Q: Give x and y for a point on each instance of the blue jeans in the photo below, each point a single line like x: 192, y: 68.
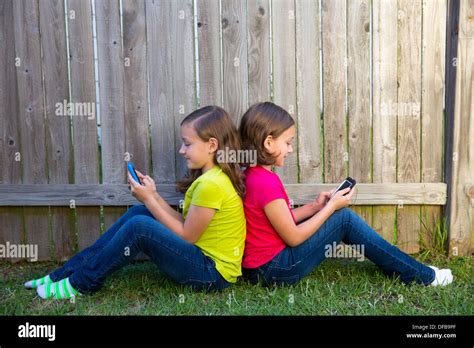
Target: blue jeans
x: 137, y: 230
x: 292, y: 264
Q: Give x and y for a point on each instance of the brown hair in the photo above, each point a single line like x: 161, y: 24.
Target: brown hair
x: 214, y: 122
x: 260, y: 121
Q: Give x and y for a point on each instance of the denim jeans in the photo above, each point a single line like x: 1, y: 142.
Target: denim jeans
x: 137, y: 230
x: 292, y: 264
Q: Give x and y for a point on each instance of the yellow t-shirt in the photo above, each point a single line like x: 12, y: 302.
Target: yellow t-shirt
x: 224, y: 239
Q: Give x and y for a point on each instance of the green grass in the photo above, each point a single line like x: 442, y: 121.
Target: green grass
x: 336, y: 287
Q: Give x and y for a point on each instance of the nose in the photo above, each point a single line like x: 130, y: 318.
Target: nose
x: 182, y: 150
x: 290, y: 149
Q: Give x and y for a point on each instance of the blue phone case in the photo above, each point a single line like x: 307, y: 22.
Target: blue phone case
x: 134, y: 175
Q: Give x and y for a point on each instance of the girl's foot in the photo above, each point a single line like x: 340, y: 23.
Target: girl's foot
x: 442, y: 276
x: 59, y: 290
x: 32, y: 284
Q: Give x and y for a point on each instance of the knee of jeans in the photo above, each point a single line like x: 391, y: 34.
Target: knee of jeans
x: 137, y: 209
x: 347, y: 213
x: 136, y: 224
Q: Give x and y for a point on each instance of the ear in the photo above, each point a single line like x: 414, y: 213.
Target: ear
x: 213, y: 145
x: 268, y: 143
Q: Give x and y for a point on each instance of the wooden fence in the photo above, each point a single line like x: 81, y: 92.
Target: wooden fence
x: 86, y: 86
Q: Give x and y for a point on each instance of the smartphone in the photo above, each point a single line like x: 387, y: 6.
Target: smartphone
x: 348, y: 182
x: 133, y: 173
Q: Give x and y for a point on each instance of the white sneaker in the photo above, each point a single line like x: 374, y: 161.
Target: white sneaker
x: 443, y: 277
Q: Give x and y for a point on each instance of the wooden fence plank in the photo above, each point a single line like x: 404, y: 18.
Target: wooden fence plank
x: 183, y: 80
x: 58, y: 130
x: 234, y: 57
x: 461, y: 218
x: 308, y: 91
x: 161, y: 94
x: 432, y: 96
x: 31, y: 117
x: 359, y: 108
x: 137, y: 136
x: 258, y: 50
x: 384, y: 95
x: 284, y: 76
x: 111, y: 65
x: 11, y: 218
x: 118, y: 194
x: 334, y: 89
x: 85, y: 142
x: 409, y: 124
x: 210, y: 79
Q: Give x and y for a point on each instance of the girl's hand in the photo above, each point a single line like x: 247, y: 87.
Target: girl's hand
x: 144, y: 192
x: 321, y: 201
x: 339, y: 201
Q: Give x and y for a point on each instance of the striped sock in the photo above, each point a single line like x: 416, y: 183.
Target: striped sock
x: 58, y: 290
x: 32, y: 284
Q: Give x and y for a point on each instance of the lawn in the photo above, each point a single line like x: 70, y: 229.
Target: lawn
x: 336, y: 287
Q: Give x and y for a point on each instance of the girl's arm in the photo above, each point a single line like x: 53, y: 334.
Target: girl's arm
x: 196, y: 222
x: 178, y: 216
x: 304, y: 212
x: 293, y: 235
x: 308, y: 210
x: 190, y: 229
x: 161, y: 201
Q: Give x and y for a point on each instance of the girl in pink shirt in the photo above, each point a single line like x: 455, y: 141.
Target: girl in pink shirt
x: 283, y: 245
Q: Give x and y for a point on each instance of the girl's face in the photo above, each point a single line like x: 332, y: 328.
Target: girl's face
x: 280, y: 146
x: 199, y: 154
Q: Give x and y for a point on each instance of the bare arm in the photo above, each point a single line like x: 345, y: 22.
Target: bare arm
x: 308, y: 210
x: 163, y: 204
x: 196, y: 222
x: 190, y: 229
x: 304, y: 212
x: 293, y: 235
x: 161, y: 201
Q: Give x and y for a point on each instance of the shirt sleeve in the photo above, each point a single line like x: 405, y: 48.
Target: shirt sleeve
x: 207, y: 194
x: 272, y: 189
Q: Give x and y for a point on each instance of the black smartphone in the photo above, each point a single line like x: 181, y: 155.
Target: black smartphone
x: 348, y: 182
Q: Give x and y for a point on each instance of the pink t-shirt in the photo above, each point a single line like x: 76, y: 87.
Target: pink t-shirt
x: 262, y: 243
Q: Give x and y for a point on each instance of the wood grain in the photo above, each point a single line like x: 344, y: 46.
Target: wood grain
x: 384, y: 119
x: 31, y: 118
x: 308, y: 91
x: 234, y: 57
x: 408, y: 118
x: 118, y: 194
x: 284, y: 76
x: 432, y: 116
x: 85, y: 139
x: 11, y: 219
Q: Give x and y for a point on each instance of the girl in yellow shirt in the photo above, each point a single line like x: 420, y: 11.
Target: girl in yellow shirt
x: 202, y: 248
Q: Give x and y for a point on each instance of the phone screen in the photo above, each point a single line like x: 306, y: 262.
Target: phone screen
x: 346, y: 183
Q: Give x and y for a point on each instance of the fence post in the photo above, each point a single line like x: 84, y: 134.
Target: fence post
x: 459, y: 130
